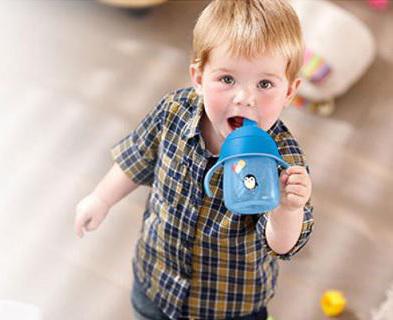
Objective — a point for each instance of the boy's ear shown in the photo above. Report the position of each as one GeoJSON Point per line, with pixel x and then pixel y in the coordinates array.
{"type": "Point", "coordinates": [292, 90]}
{"type": "Point", "coordinates": [196, 78]}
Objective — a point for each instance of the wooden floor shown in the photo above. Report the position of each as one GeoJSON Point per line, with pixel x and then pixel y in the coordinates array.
{"type": "Point", "coordinates": [77, 76]}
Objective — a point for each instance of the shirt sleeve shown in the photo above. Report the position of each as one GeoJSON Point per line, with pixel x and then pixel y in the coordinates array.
{"type": "Point", "coordinates": [293, 155]}
{"type": "Point", "coordinates": [308, 223]}
{"type": "Point", "coordinates": [136, 154]}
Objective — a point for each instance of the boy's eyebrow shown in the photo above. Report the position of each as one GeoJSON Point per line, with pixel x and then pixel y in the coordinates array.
{"type": "Point", "coordinates": [222, 70]}
{"type": "Point", "coordinates": [269, 74]}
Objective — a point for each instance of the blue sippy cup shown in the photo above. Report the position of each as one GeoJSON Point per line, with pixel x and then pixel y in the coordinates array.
{"type": "Point", "coordinates": [250, 158]}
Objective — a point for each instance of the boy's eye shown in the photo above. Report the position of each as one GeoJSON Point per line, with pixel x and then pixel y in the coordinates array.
{"type": "Point", "coordinates": [227, 79]}
{"type": "Point", "coordinates": [265, 84]}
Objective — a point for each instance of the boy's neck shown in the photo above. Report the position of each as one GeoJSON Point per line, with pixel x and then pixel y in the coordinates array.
{"type": "Point", "coordinates": [211, 138]}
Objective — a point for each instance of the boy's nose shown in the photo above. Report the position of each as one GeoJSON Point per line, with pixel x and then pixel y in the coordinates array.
{"type": "Point", "coordinates": [244, 97]}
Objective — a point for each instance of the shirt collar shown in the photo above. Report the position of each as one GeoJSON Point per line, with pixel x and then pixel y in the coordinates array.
{"type": "Point", "coordinates": [275, 128]}
{"type": "Point", "coordinates": [191, 128]}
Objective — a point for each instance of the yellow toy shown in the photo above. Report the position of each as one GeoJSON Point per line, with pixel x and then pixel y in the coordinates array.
{"type": "Point", "coordinates": [333, 303]}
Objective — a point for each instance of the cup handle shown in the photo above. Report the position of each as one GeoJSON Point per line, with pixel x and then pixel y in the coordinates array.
{"type": "Point", "coordinates": [207, 179]}
{"type": "Point", "coordinates": [283, 164]}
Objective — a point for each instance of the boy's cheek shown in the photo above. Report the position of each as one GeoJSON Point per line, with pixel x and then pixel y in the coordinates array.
{"type": "Point", "coordinates": [215, 88]}
{"type": "Point", "coordinates": [214, 98]}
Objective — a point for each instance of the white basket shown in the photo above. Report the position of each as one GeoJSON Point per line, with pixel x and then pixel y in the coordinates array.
{"type": "Point", "coordinates": [341, 39]}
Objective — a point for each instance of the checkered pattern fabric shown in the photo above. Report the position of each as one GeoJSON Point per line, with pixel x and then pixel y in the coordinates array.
{"type": "Point", "coordinates": [195, 259]}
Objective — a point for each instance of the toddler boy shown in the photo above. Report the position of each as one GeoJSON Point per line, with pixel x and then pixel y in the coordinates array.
{"type": "Point", "coordinates": [194, 258]}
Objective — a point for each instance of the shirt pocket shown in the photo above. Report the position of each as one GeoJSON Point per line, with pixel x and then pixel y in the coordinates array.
{"type": "Point", "coordinates": [171, 179]}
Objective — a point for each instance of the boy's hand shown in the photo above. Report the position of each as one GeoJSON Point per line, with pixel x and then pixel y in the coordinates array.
{"type": "Point", "coordinates": [295, 188]}
{"type": "Point", "coordinates": [90, 212]}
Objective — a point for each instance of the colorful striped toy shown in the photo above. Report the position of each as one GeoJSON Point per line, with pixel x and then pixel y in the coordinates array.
{"type": "Point", "coordinates": [314, 69]}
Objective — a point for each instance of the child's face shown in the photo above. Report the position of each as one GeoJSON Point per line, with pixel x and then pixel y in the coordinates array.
{"type": "Point", "coordinates": [234, 88]}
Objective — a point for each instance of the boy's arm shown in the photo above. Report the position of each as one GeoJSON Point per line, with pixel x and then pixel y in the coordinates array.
{"type": "Point", "coordinates": [286, 224]}
{"type": "Point", "coordinates": [287, 229]}
{"type": "Point", "coordinates": [114, 186]}
{"type": "Point", "coordinates": [92, 210]}
{"type": "Point", "coordinates": [283, 229]}
{"type": "Point", "coordinates": [135, 157]}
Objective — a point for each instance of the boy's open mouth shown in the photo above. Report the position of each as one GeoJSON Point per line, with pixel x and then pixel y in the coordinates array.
{"type": "Point", "coordinates": [235, 122]}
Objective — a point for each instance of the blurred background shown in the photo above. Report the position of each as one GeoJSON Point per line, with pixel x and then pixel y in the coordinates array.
{"type": "Point", "coordinates": [77, 76]}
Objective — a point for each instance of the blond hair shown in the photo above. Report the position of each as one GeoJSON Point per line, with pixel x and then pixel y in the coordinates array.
{"type": "Point", "coordinates": [250, 27]}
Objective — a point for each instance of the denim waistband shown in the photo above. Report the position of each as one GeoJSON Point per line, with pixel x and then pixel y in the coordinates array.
{"type": "Point", "coordinates": [149, 310]}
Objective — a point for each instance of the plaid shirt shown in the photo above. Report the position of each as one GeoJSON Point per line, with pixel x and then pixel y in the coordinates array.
{"type": "Point", "coordinates": [195, 259]}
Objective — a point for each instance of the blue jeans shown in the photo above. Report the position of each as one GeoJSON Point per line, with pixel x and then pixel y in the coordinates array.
{"type": "Point", "coordinates": [145, 309]}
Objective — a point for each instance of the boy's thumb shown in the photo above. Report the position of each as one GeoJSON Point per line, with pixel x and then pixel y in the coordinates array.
{"type": "Point", "coordinates": [283, 178]}
{"type": "Point", "coordinates": [78, 230]}
{"type": "Point", "coordinates": [92, 224]}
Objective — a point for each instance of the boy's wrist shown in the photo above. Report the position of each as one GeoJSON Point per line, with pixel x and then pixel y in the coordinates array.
{"type": "Point", "coordinates": [282, 216]}
{"type": "Point", "coordinates": [283, 209]}
{"type": "Point", "coordinates": [283, 228]}
{"type": "Point", "coordinates": [96, 195]}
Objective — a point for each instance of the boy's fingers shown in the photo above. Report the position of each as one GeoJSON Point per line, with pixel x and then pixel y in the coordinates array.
{"type": "Point", "coordinates": [79, 231]}
{"type": "Point", "coordinates": [92, 224]}
{"type": "Point", "coordinates": [296, 169]}
{"type": "Point", "coordinates": [295, 199]}
{"type": "Point", "coordinates": [297, 179]}
{"type": "Point", "coordinates": [79, 226]}
{"type": "Point", "coordinates": [295, 189]}
{"type": "Point", "coordinates": [284, 176]}
{"type": "Point", "coordinates": [283, 181]}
